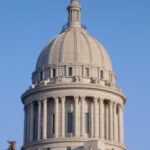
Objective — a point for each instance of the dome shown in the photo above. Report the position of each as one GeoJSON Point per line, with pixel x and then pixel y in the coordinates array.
{"type": "Point", "coordinates": [74, 46]}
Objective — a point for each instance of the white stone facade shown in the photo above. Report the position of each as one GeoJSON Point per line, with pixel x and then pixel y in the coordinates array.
{"type": "Point", "coordinates": [73, 102]}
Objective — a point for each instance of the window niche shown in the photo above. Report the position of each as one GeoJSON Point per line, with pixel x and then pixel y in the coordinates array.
{"type": "Point", "coordinates": [54, 72]}
{"type": "Point", "coordinates": [70, 122]}
{"type": "Point", "coordinates": [87, 72]}
{"type": "Point", "coordinates": [70, 71]}
{"type": "Point", "coordinates": [101, 74]}
{"type": "Point", "coordinates": [86, 122]}
{"type": "Point", "coordinates": [41, 76]}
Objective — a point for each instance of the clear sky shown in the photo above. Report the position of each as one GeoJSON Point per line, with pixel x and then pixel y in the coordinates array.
{"type": "Point", "coordinates": [122, 26]}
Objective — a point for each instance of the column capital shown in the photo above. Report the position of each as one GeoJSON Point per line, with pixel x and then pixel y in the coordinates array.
{"type": "Point", "coordinates": [96, 98]}
{"type": "Point", "coordinates": [62, 97]}
{"type": "Point", "coordinates": [45, 99]}
{"type": "Point", "coordinates": [121, 106]}
{"type": "Point", "coordinates": [76, 97]}
{"type": "Point", "coordinates": [101, 98]}
{"type": "Point", "coordinates": [110, 102]}
{"type": "Point", "coordinates": [56, 98]}
{"type": "Point", "coordinates": [114, 103]}
{"type": "Point", "coordinates": [82, 98]}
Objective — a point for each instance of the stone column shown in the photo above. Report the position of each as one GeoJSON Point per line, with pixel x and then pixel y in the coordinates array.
{"type": "Point", "coordinates": [39, 120]}
{"type": "Point", "coordinates": [82, 117]}
{"type": "Point", "coordinates": [110, 120]}
{"type": "Point", "coordinates": [62, 116]}
{"type": "Point", "coordinates": [28, 124]}
{"type": "Point", "coordinates": [25, 125]}
{"type": "Point", "coordinates": [91, 120]}
{"type": "Point", "coordinates": [101, 103]}
{"type": "Point", "coordinates": [76, 129]}
{"type": "Point", "coordinates": [95, 118]}
{"type": "Point", "coordinates": [107, 122]}
{"type": "Point", "coordinates": [121, 134]}
{"type": "Point", "coordinates": [115, 122]}
{"type": "Point", "coordinates": [44, 136]}
{"type": "Point", "coordinates": [31, 121]}
{"type": "Point", "coordinates": [56, 116]}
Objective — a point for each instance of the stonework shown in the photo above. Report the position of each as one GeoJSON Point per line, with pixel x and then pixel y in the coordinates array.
{"type": "Point", "coordinates": [73, 102]}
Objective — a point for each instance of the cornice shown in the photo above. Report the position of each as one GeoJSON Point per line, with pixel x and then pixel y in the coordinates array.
{"type": "Point", "coordinates": [63, 86]}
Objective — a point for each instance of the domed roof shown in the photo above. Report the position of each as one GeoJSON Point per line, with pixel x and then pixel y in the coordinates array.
{"type": "Point", "coordinates": [74, 46]}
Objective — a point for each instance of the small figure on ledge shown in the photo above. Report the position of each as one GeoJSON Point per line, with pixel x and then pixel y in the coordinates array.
{"type": "Point", "coordinates": [12, 145]}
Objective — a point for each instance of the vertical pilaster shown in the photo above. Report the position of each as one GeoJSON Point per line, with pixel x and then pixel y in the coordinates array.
{"type": "Point", "coordinates": [107, 122]}
{"type": "Point", "coordinates": [76, 129]}
{"type": "Point", "coordinates": [39, 120]}
{"type": "Point", "coordinates": [115, 122]}
{"type": "Point", "coordinates": [56, 116]}
{"type": "Point", "coordinates": [44, 119]}
{"type": "Point", "coordinates": [101, 103]}
{"type": "Point", "coordinates": [95, 118]}
{"type": "Point", "coordinates": [28, 124]}
{"type": "Point", "coordinates": [63, 116]}
{"type": "Point", "coordinates": [92, 120]}
{"type": "Point", "coordinates": [31, 122]}
{"type": "Point", "coordinates": [82, 117]}
{"type": "Point", "coordinates": [110, 120]}
{"type": "Point", "coordinates": [121, 134]}
{"type": "Point", "coordinates": [25, 125]}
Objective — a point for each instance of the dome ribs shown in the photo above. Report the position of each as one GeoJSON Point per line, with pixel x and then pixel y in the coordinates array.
{"type": "Point", "coordinates": [51, 53]}
{"type": "Point", "coordinates": [89, 47]}
{"type": "Point", "coordinates": [75, 47]}
{"type": "Point", "coordinates": [62, 47]}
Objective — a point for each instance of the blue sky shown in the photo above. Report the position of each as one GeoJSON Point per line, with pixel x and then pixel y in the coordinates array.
{"type": "Point", "coordinates": [122, 26]}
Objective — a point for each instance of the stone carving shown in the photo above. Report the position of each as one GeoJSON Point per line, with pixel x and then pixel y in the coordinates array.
{"type": "Point", "coordinates": [12, 145]}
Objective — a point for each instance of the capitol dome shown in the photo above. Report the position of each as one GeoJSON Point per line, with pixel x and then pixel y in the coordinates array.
{"type": "Point", "coordinates": [79, 46]}
{"type": "Point", "coordinates": [73, 102]}
{"type": "Point", "coordinates": [74, 53]}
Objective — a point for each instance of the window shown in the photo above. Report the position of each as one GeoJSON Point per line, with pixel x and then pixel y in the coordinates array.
{"type": "Point", "coordinates": [87, 72]}
{"type": "Point", "coordinates": [41, 76]}
{"type": "Point", "coordinates": [86, 122]}
{"type": "Point", "coordinates": [68, 148]}
{"type": "Point", "coordinates": [70, 71]}
{"type": "Point", "coordinates": [52, 123]}
{"type": "Point", "coordinates": [70, 122]}
{"type": "Point", "coordinates": [101, 74]}
{"type": "Point", "coordinates": [54, 73]}
{"type": "Point", "coordinates": [48, 149]}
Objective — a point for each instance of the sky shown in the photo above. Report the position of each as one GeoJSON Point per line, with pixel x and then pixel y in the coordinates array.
{"type": "Point", "coordinates": [122, 26]}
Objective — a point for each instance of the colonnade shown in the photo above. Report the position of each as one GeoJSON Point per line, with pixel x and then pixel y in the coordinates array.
{"type": "Point", "coordinates": [106, 119]}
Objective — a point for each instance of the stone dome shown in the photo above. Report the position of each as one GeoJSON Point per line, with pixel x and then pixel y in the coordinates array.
{"type": "Point", "coordinates": [74, 46]}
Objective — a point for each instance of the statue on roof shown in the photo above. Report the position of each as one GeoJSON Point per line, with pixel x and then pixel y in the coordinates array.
{"type": "Point", "coordinates": [12, 145]}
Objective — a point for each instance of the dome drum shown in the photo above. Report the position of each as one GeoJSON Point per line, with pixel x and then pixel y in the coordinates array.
{"type": "Point", "coordinates": [74, 73]}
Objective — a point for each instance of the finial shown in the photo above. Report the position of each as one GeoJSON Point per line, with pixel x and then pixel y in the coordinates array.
{"type": "Point", "coordinates": [74, 14]}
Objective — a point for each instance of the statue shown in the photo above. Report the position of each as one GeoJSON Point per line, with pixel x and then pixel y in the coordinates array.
{"type": "Point", "coordinates": [12, 145]}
